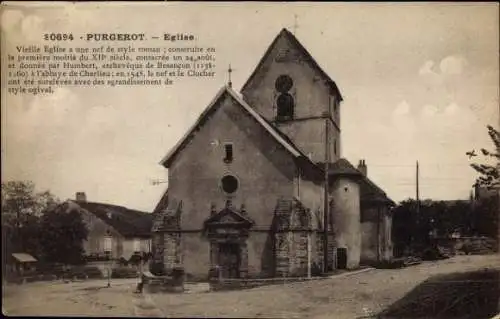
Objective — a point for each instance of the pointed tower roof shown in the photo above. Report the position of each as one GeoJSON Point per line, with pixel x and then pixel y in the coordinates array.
{"type": "Point", "coordinates": [308, 57]}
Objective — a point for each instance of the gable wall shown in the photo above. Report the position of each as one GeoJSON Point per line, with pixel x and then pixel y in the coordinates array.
{"type": "Point", "coordinates": [312, 96]}
{"type": "Point", "coordinates": [265, 171]}
{"type": "Point", "coordinates": [264, 168]}
{"type": "Point", "coordinates": [97, 231]}
{"type": "Point", "coordinates": [312, 100]}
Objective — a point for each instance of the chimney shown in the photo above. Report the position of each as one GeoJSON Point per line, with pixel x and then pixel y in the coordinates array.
{"type": "Point", "coordinates": [81, 197]}
{"type": "Point", "coordinates": [362, 167]}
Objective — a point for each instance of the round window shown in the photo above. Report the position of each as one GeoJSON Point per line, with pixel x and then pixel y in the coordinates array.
{"type": "Point", "coordinates": [229, 184]}
{"type": "Point", "coordinates": [283, 83]}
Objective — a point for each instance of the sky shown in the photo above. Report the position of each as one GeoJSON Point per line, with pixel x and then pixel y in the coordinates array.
{"type": "Point", "coordinates": [420, 81]}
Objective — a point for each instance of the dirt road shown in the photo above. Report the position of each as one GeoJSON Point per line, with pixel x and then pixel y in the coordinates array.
{"type": "Point", "coordinates": [87, 298]}
{"type": "Point", "coordinates": [346, 297]}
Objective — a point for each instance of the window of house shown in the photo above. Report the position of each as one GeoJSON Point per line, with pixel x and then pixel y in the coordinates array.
{"type": "Point", "coordinates": [137, 245]}
{"type": "Point", "coordinates": [228, 148]}
{"type": "Point", "coordinates": [335, 147]}
{"type": "Point", "coordinates": [285, 102]}
{"type": "Point", "coordinates": [108, 244]}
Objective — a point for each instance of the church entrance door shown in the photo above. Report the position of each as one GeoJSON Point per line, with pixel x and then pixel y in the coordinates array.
{"type": "Point", "coordinates": [229, 260]}
{"type": "Point", "coordinates": [341, 258]}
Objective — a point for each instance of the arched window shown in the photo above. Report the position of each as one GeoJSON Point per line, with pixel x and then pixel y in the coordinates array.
{"type": "Point", "coordinates": [285, 101]}
{"type": "Point", "coordinates": [285, 105]}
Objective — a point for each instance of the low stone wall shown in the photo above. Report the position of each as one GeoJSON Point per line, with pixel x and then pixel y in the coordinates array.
{"type": "Point", "coordinates": [31, 278]}
{"type": "Point", "coordinates": [236, 284]}
{"type": "Point", "coordinates": [103, 266]}
{"type": "Point", "coordinates": [156, 284]}
{"type": "Point", "coordinates": [469, 245]}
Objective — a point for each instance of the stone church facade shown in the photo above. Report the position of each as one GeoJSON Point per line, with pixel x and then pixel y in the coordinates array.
{"type": "Point", "coordinates": [247, 182]}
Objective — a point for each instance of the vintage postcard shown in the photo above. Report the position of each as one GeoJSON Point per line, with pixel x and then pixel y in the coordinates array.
{"type": "Point", "coordinates": [256, 160]}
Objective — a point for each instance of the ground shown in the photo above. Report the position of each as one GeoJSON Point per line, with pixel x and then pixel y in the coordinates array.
{"type": "Point", "coordinates": [354, 296]}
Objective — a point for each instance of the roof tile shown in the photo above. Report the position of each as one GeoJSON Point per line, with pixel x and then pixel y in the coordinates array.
{"type": "Point", "coordinates": [128, 222]}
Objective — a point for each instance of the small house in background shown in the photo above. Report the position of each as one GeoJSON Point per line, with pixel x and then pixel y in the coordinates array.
{"type": "Point", "coordinates": [22, 263]}
{"type": "Point", "coordinates": [115, 232]}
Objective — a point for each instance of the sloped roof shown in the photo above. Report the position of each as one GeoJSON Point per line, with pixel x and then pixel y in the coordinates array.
{"type": "Point", "coordinates": [286, 205]}
{"type": "Point", "coordinates": [24, 258]}
{"type": "Point", "coordinates": [342, 167]}
{"type": "Point", "coordinates": [273, 131]}
{"type": "Point", "coordinates": [169, 212]}
{"type": "Point", "coordinates": [369, 191]}
{"type": "Point", "coordinates": [162, 204]}
{"type": "Point", "coordinates": [285, 33]}
{"type": "Point", "coordinates": [128, 222]}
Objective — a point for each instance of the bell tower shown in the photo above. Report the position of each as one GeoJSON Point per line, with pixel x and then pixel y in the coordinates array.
{"type": "Point", "coordinates": [290, 90]}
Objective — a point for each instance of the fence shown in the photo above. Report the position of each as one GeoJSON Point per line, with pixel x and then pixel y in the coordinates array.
{"type": "Point", "coordinates": [90, 270]}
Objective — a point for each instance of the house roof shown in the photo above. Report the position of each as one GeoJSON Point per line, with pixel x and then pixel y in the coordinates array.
{"type": "Point", "coordinates": [128, 222]}
{"type": "Point", "coordinates": [273, 131]}
{"type": "Point", "coordinates": [285, 33]}
{"type": "Point", "coordinates": [24, 258]}
{"type": "Point", "coordinates": [369, 191]}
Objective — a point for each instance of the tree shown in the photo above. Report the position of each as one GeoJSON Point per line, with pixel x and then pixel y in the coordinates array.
{"type": "Point", "coordinates": [21, 210]}
{"type": "Point", "coordinates": [62, 236]}
{"type": "Point", "coordinates": [403, 231]}
{"type": "Point", "coordinates": [489, 180]}
{"type": "Point", "coordinates": [489, 174]}
{"type": "Point", "coordinates": [485, 217]}
{"type": "Point", "coordinates": [413, 229]}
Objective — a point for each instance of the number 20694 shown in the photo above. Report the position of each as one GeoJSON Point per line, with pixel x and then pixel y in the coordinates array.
{"type": "Point", "coordinates": [58, 37]}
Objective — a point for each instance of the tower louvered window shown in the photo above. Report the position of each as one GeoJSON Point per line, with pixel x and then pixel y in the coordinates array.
{"type": "Point", "coordinates": [285, 102]}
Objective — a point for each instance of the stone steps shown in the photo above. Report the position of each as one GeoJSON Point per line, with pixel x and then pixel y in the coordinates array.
{"type": "Point", "coordinates": [191, 288]}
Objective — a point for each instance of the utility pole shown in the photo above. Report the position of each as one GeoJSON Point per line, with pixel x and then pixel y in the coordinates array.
{"type": "Point", "coordinates": [309, 228]}
{"type": "Point", "coordinates": [417, 196]}
{"type": "Point", "coordinates": [326, 203]}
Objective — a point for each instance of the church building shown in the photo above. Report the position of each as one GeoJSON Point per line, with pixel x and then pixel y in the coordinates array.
{"type": "Point", "coordinates": [258, 186]}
